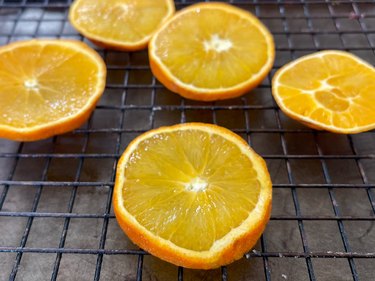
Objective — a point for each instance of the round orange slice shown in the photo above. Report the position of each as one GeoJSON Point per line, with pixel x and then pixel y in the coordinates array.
{"type": "Point", "coordinates": [47, 87]}
{"type": "Point", "coordinates": [120, 24]}
{"type": "Point", "coordinates": [193, 194]}
{"type": "Point", "coordinates": [211, 51]}
{"type": "Point", "coordinates": [328, 90]}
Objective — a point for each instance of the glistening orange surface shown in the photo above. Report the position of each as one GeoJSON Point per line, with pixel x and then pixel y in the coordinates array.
{"type": "Point", "coordinates": [120, 24]}
{"type": "Point", "coordinates": [193, 194]}
{"type": "Point", "coordinates": [47, 87]}
{"type": "Point", "coordinates": [328, 90]}
{"type": "Point", "coordinates": [211, 51]}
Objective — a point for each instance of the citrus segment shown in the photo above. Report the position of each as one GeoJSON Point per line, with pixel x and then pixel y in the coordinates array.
{"type": "Point", "coordinates": [120, 24]}
{"type": "Point", "coordinates": [194, 194]}
{"type": "Point", "coordinates": [329, 90]}
{"type": "Point", "coordinates": [47, 87]}
{"type": "Point", "coordinates": [211, 51]}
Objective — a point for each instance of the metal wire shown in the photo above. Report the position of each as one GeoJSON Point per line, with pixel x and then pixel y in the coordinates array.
{"type": "Point", "coordinates": [344, 25]}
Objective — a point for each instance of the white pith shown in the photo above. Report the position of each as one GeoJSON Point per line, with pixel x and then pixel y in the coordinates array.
{"type": "Point", "coordinates": [217, 44]}
{"type": "Point", "coordinates": [31, 84]}
{"type": "Point", "coordinates": [197, 185]}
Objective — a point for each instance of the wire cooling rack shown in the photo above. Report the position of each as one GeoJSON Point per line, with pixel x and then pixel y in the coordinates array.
{"type": "Point", "coordinates": [56, 220]}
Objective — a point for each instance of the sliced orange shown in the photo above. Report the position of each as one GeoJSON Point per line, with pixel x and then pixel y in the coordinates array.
{"type": "Point", "coordinates": [120, 24]}
{"type": "Point", "coordinates": [193, 194]}
{"type": "Point", "coordinates": [328, 90]}
{"type": "Point", "coordinates": [47, 87]}
{"type": "Point", "coordinates": [211, 51]}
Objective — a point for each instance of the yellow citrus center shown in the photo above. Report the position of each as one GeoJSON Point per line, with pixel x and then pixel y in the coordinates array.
{"type": "Point", "coordinates": [196, 185]}
{"type": "Point", "coordinates": [31, 84]}
{"type": "Point", "coordinates": [217, 44]}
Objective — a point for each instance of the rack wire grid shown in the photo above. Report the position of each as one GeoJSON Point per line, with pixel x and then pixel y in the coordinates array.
{"type": "Point", "coordinates": [56, 218]}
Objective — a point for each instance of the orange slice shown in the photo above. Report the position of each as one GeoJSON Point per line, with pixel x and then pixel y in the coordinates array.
{"type": "Point", "coordinates": [120, 24]}
{"type": "Point", "coordinates": [47, 87]}
{"type": "Point", "coordinates": [193, 194]}
{"type": "Point", "coordinates": [211, 51]}
{"type": "Point", "coordinates": [328, 90]}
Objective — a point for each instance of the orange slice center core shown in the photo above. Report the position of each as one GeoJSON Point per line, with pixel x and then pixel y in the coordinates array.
{"type": "Point", "coordinates": [31, 84]}
{"type": "Point", "coordinates": [217, 44]}
{"type": "Point", "coordinates": [196, 185]}
{"type": "Point", "coordinates": [332, 97]}
{"type": "Point", "coordinates": [331, 100]}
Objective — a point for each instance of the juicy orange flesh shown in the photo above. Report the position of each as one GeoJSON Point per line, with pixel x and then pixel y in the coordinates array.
{"type": "Point", "coordinates": [41, 84]}
{"type": "Point", "coordinates": [121, 20]}
{"type": "Point", "coordinates": [331, 89]}
{"type": "Point", "coordinates": [187, 48]}
{"type": "Point", "coordinates": [190, 187]}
